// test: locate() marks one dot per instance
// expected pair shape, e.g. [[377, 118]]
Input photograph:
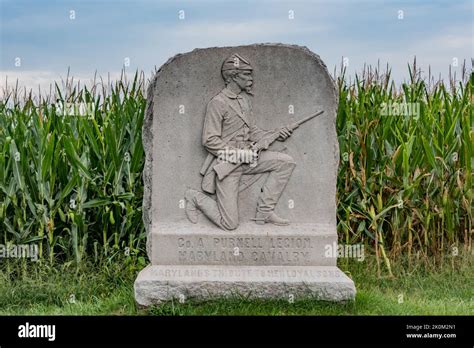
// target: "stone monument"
[[240, 177]]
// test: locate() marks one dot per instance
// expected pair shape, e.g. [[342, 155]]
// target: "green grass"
[[447, 289]]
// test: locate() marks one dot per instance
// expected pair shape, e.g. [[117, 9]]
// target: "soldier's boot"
[[192, 212], [270, 217]]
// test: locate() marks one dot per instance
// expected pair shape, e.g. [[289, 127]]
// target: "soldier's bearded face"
[[244, 80]]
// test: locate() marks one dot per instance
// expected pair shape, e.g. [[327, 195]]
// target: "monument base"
[[159, 283]]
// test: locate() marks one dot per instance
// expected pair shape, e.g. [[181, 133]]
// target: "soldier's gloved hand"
[[285, 132]]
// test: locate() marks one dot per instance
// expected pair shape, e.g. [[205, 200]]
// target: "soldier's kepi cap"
[[236, 62]]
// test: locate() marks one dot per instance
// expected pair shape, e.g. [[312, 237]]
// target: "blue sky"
[[106, 32]]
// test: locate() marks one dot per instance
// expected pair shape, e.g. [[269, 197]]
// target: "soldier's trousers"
[[224, 211]]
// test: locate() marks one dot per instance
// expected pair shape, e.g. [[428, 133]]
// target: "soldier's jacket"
[[229, 123]]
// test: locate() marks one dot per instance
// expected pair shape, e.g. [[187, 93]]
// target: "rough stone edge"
[[147, 128], [154, 291]]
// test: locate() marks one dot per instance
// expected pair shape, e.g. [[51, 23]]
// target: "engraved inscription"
[[270, 250], [244, 273]]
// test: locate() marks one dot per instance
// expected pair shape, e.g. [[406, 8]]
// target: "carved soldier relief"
[[236, 147]]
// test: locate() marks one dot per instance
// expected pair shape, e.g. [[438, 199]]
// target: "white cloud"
[[226, 33], [43, 81], [435, 51]]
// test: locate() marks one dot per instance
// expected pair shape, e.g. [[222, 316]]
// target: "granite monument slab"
[[240, 177]]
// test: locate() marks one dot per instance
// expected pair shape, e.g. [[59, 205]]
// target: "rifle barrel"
[[309, 117]]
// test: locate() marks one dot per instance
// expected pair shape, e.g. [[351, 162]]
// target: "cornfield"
[[405, 179], [73, 185]]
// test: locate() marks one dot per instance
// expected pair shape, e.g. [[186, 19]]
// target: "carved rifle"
[[225, 168]]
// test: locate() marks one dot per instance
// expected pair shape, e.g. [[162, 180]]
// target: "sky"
[[41, 40]]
